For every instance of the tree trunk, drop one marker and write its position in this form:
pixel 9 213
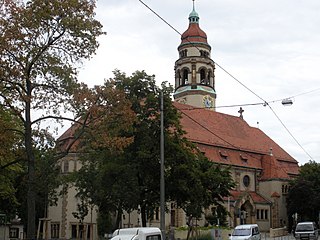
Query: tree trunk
pixel 31 196
pixel 143 216
pixel 119 218
pixel 190 227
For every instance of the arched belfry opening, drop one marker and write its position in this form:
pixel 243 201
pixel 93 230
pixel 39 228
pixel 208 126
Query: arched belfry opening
pixel 203 77
pixel 185 78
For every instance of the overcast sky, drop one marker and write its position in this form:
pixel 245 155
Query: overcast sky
pixel 272 47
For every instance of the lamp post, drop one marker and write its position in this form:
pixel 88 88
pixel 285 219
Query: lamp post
pixel 162 189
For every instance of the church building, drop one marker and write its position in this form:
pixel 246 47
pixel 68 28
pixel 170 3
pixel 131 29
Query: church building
pixel 259 166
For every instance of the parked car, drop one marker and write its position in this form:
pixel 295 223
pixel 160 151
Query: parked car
pixel 246 232
pixel 306 230
pixel 140 233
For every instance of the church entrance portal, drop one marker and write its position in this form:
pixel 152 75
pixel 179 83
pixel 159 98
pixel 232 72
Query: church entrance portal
pixel 246 210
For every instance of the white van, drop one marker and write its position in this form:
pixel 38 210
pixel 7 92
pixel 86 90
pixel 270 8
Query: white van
pixel 246 232
pixel 140 233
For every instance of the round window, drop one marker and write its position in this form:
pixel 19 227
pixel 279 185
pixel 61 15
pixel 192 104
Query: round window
pixel 246 180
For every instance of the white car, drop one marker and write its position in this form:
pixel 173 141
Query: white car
pixel 246 232
pixel 140 233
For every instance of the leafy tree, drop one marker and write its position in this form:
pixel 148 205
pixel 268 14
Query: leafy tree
pixel 10 156
pixel 197 184
pixel 101 178
pixel 41 44
pixel 304 196
pixel 48 178
pixel 131 177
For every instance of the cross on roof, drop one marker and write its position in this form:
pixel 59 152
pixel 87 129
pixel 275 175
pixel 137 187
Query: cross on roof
pixel 241 111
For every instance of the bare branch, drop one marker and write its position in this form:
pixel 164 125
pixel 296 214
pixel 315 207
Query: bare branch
pixel 57 118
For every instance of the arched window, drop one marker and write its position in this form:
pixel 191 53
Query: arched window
pixel 185 77
pixel 203 79
pixel 209 77
pixel 183 53
pixel 246 181
pixel 179 77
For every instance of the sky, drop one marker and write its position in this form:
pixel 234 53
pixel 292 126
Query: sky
pixel 270 47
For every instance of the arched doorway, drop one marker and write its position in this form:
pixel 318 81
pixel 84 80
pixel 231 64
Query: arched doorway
pixel 245 210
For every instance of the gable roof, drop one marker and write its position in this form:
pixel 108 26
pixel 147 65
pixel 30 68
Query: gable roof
pixel 256 197
pixel 217 134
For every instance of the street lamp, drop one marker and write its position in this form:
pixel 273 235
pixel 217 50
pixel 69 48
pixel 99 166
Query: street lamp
pixel 287 102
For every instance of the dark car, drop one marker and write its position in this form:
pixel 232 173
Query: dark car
pixel 306 230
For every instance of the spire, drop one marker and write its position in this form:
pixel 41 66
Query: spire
pixel 193 16
pixel 194 34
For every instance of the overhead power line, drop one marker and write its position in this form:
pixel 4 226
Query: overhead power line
pixel 233 77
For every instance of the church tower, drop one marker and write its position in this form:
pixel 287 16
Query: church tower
pixel 194 70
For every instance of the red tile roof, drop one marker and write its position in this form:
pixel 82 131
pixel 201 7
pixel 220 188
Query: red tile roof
pixel 194 34
pixel 225 139
pixel 218 134
pixel 257 198
pixel 272 168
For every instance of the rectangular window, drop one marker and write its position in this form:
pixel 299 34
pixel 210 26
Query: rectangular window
pixel 154 237
pixel 14 233
pixel 66 166
pixel 262 214
pixel 77 231
pixel 55 230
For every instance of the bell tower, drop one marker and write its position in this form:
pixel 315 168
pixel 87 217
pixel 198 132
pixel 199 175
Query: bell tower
pixel 194 70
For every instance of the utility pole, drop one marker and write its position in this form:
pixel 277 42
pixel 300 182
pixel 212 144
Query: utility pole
pixel 162 188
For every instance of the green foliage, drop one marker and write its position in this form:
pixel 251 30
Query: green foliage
pixel 10 165
pixel 104 223
pixel 218 216
pixel 129 177
pixel 41 45
pixel 304 194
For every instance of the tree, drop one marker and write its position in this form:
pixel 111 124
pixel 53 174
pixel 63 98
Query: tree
pixel 41 44
pixel 131 177
pixel 108 132
pixel 196 184
pixel 10 156
pixel 304 196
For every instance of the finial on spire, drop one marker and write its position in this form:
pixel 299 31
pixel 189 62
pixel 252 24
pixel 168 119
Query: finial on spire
pixel 193 16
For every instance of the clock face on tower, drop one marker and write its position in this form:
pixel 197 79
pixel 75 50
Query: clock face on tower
pixel 207 101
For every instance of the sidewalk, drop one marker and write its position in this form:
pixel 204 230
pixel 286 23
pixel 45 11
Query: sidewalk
pixel 266 236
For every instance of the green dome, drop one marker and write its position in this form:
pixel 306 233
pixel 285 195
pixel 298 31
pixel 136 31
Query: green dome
pixel 193 16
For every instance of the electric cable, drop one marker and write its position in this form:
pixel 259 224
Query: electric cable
pixel 253 155
pixel 233 77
